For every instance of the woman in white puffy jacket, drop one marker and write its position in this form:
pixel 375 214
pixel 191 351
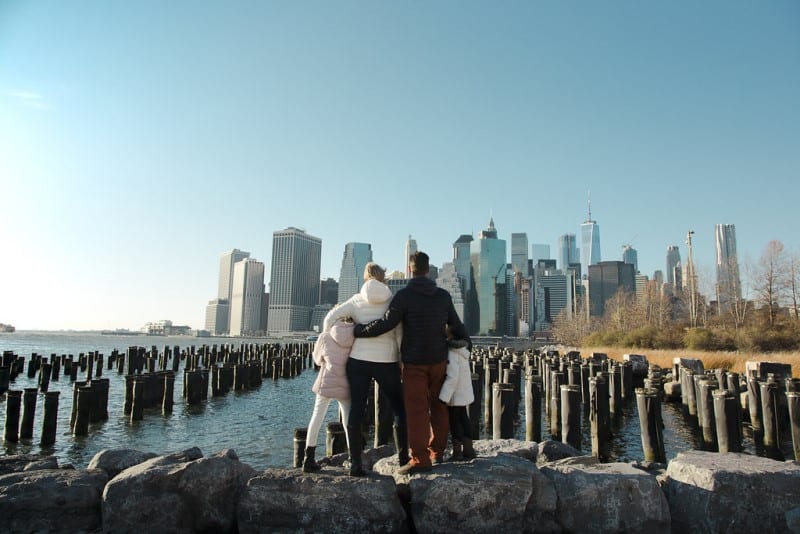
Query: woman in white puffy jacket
pixel 374 357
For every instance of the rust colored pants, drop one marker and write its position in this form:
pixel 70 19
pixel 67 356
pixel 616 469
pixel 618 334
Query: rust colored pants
pixel 426 416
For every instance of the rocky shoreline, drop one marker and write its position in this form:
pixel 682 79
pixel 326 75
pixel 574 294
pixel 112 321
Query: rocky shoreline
pixel 513 486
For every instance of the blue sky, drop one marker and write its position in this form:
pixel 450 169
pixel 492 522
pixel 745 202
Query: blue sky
pixel 140 140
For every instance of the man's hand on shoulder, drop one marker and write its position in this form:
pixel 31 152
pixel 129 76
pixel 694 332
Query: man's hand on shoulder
pixel 358 330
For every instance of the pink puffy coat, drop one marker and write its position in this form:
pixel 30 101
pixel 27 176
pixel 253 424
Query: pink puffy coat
pixel 331 352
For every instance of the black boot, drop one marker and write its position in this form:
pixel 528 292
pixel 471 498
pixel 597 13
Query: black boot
pixel 309 464
pixel 401 443
pixel 356 441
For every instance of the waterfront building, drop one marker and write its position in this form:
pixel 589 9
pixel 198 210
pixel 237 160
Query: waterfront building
pixel 449 281
pixel 463 265
pixel 553 293
pixel 247 295
pixel 396 284
pixel 641 282
pixel 224 292
pixel 217 312
pixel 728 287
pixel 294 280
pixel 567 251
pixel 540 251
pixel 673 261
pixel 396 275
pixel 410 248
pixel 488 257
pixel 519 253
pixel 329 291
pixel 590 242
pixel 605 279
pixel 629 255
pixel 658 276
pixel 351 277
pixel 318 316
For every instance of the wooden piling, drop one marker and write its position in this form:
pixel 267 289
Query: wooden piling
pixel 754 404
pixel 557 379
pixel 599 416
pixel 571 415
pixel 648 404
pixel 335 439
pixel 49 418
pixel 28 411
pixel 727 420
pixel 793 400
pixel 769 409
pixel 45 372
pixel 137 406
pixel 13 405
pixel 533 407
pixel 83 411
pixel 502 410
pixel 705 409
pixel 169 389
pixel 299 446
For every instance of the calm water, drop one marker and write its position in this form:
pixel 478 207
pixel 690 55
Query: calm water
pixel 258 424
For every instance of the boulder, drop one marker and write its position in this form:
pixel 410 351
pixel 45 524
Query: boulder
pixel 116 461
pixel 49 462
pixel 615 497
pixel 176 493
pixel 51 500
pixel 528 450
pixel 286 500
pixel 672 391
pixel 20 462
pixel 726 492
pixel 550 451
pixel 504 493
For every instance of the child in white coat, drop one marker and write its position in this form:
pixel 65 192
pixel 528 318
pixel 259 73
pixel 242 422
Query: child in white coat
pixel 331 352
pixel 457 393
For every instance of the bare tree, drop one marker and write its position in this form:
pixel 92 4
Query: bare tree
pixel 769 283
pixel 794 283
pixel 571 328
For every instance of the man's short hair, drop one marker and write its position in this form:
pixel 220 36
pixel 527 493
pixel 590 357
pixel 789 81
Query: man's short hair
pixel 419 263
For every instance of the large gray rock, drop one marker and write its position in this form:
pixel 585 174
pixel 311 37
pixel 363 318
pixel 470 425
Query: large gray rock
pixel 616 497
pixel 53 500
pixel 492 447
pixel 116 461
pixel 284 500
pixel 504 493
pixel 713 492
pixel 550 451
pixel 170 495
pixel 25 462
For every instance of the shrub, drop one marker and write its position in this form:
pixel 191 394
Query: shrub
pixel 700 339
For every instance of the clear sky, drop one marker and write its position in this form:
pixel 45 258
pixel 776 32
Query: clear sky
pixel 141 140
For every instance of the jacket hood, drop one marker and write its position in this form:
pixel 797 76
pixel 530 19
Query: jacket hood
pixel 423 284
pixel 342 333
pixel 375 292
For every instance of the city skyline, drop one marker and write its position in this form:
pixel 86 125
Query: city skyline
pixel 127 165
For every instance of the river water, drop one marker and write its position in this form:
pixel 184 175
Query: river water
pixel 258 424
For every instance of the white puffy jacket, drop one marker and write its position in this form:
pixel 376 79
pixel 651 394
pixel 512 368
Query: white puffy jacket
pixel 457 387
pixel 368 304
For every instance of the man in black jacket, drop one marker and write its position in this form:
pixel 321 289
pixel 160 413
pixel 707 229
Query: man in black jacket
pixel 425 310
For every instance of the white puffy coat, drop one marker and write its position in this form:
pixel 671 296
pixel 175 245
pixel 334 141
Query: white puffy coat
pixel 367 305
pixel 331 352
pixel 457 387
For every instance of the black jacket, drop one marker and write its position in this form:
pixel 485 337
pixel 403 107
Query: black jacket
pixel 424 310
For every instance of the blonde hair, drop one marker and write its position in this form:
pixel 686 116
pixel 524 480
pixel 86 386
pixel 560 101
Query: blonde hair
pixel 374 271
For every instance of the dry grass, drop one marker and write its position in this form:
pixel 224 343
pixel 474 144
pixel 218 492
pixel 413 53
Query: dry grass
pixel 732 361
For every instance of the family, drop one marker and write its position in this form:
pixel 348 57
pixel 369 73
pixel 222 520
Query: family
pixel 403 343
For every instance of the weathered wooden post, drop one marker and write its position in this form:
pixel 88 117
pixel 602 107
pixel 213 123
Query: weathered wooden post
pixel 45 372
pixel 648 404
pixel 489 378
pixel 299 446
pixel 28 411
pixel 335 439
pixel 793 400
pixel 705 408
pixel 571 415
pixel 615 387
pixel 557 379
pixel 49 418
pixel 13 404
pixel 502 410
pixel 599 416
pixel 533 407
pixel 475 408
pixel 626 375
pixel 137 406
pixel 769 409
pixel 754 404
pixel 83 411
pixel 5 377
pixel 169 393
pixel 728 422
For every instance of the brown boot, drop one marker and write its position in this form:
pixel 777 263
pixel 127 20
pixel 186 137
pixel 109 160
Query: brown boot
pixel 457 456
pixel 467 451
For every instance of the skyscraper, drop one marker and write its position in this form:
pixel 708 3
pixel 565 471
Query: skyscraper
pixel 729 288
pixel 351 277
pixel 629 255
pixel 294 279
pixel 673 260
pixel 590 242
pixel 567 251
pixel 552 294
pixel 605 279
pixel 218 310
pixel 519 253
pixel 411 248
pixel 463 265
pixel 247 292
pixel 488 256
pixel 540 251
pixel 449 280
